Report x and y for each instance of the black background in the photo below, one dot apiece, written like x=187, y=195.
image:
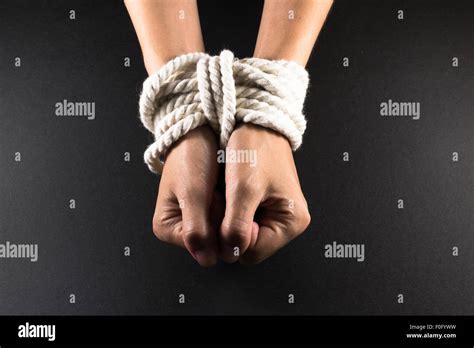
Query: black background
x=408, y=251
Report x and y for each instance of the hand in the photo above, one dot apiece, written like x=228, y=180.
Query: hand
x=265, y=207
x=188, y=210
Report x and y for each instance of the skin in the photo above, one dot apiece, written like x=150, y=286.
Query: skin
x=280, y=37
x=264, y=205
x=272, y=187
x=165, y=29
x=189, y=208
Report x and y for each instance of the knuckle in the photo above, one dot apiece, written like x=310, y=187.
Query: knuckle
x=303, y=219
x=235, y=231
x=195, y=234
x=299, y=218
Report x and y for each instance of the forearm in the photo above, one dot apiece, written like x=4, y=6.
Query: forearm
x=165, y=29
x=289, y=28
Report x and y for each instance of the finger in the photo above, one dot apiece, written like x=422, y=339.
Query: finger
x=268, y=241
x=167, y=219
x=272, y=238
x=236, y=228
x=198, y=234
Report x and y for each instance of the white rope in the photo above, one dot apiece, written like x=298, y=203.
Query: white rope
x=196, y=89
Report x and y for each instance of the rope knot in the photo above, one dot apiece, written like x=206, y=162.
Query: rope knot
x=217, y=90
x=195, y=89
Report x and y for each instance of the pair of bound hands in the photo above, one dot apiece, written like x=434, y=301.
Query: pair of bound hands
x=263, y=207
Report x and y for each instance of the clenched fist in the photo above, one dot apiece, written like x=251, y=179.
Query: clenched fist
x=265, y=207
x=188, y=210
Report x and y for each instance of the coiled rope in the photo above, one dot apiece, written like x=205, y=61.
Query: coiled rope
x=196, y=89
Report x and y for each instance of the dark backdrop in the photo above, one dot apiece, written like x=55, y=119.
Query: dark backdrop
x=408, y=251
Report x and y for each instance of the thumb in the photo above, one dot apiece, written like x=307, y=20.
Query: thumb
x=198, y=234
x=236, y=228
